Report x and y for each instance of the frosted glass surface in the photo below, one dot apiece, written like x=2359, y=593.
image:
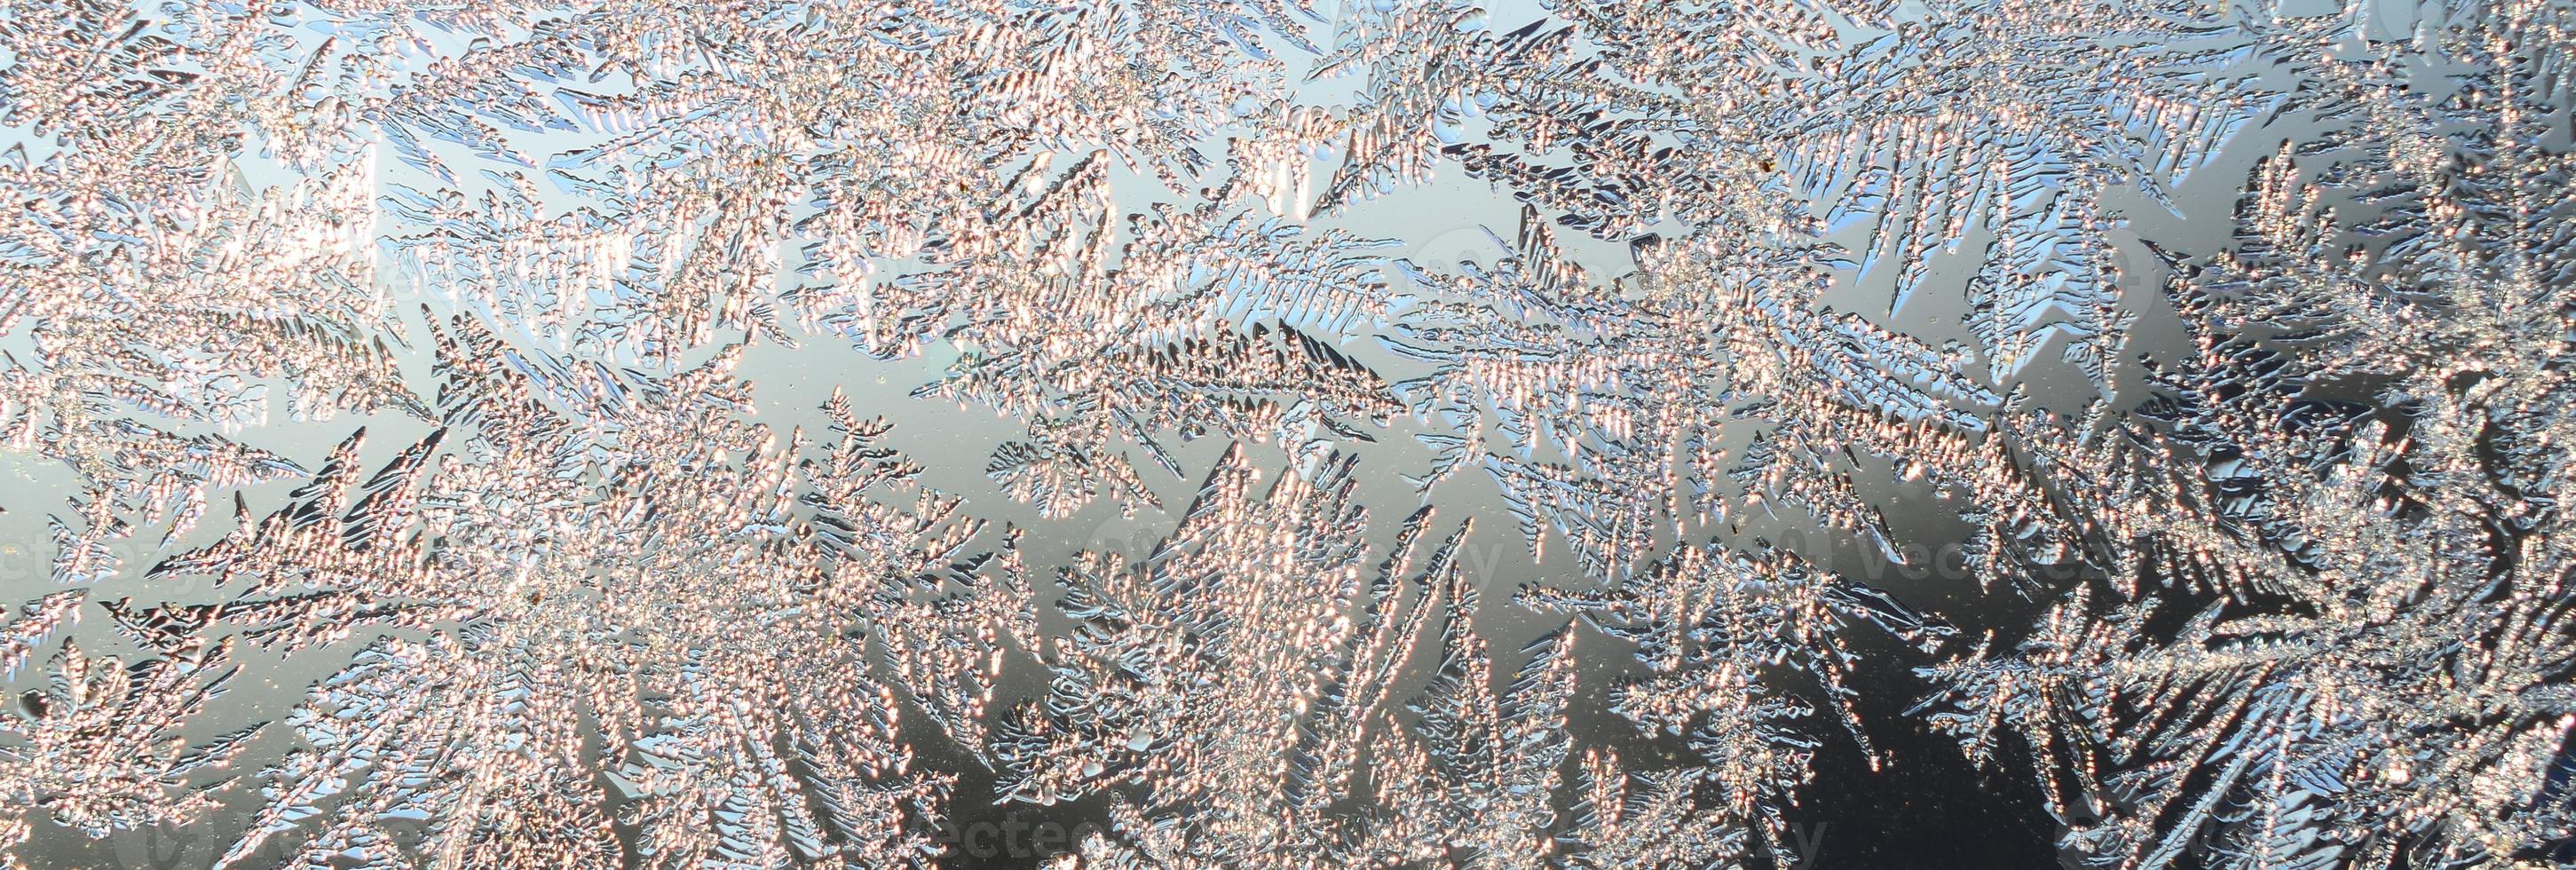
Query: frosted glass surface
x=1287, y=433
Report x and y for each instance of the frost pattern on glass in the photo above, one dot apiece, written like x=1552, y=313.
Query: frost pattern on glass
x=1280, y=433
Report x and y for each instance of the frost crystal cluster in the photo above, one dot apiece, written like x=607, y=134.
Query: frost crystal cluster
x=1288, y=433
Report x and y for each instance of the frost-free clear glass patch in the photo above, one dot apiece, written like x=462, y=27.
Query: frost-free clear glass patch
x=1287, y=433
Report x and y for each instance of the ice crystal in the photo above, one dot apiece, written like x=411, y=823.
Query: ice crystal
x=1272, y=433
x=2333, y=634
